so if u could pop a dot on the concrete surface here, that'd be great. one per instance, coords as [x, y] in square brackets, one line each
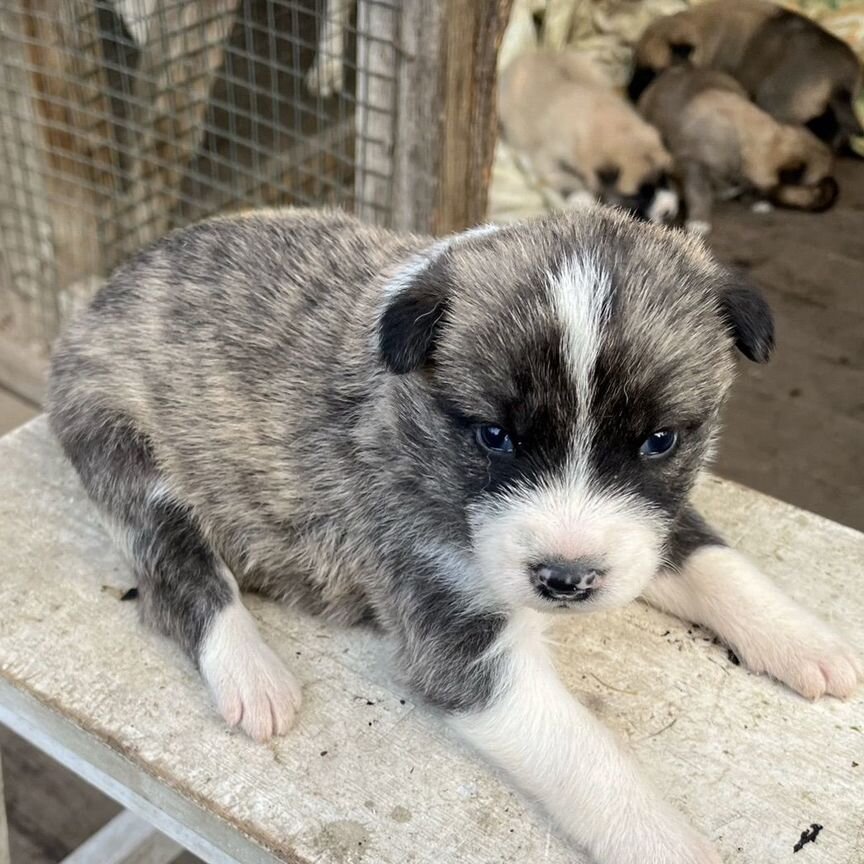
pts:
[367, 776]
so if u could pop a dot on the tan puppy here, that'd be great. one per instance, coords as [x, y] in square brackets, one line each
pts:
[579, 139]
[720, 139]
[790, 66]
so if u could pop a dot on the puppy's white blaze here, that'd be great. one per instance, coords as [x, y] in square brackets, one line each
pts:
[570, 519]
[251, 686]
[580, 297]
[561, 755]
[721, 589]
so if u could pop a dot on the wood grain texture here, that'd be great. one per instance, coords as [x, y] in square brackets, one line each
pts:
[126, 839]
[368, 776]
[446, 119]
[472, 38]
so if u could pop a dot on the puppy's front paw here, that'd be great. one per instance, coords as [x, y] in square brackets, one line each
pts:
[806, 655]
[677, 843]
[251, 686]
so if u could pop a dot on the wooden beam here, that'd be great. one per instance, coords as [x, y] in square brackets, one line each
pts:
[375, 103]
[4, 827]
[446, 119]
[126, 839]
[470, 126]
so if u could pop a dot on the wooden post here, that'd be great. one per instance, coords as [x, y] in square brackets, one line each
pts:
[126, 839]
[446, 119]
[374, 121]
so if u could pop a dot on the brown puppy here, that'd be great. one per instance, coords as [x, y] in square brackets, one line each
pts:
[578, 138]
[720, 139]
[789, 65]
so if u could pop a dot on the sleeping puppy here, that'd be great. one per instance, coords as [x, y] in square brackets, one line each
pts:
[788, 65]
[451, 438]
[720, 140]
[579, 139]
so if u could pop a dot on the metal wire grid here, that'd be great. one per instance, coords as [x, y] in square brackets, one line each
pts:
[121, 119]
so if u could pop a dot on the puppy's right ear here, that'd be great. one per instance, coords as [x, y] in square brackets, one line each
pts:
[748, 317]
[412, 319]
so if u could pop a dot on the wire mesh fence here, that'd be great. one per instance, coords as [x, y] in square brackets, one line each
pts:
[122, 119]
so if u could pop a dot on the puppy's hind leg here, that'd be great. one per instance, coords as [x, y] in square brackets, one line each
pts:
[185, 589]
[699, 196]
[710, 584]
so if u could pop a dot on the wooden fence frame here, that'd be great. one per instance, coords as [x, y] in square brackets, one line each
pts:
[428, 165]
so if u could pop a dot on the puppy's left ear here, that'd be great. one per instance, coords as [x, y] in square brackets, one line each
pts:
[748, 317]
[411, 321]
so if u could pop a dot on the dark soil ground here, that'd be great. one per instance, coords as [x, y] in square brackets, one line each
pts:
[795, 427]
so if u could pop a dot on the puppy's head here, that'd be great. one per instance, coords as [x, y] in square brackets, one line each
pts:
[553, 389]
[645, 190]
[632, 170]
[670, 41]
[804, 171]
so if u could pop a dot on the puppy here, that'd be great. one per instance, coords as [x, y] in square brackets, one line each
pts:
[579, 139]
[448, 438]
[721, 140]
[789, 65]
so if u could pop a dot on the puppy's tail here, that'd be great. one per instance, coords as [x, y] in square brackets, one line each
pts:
[815, 198]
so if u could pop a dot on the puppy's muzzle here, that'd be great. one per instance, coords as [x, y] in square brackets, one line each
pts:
[567, 580]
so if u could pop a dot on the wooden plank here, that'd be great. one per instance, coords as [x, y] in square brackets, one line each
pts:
[83, 753]
[375, 103]
[51, 811]
[473, 38]
[446, 116]
[5, 857]
[23, 369]
[748, 761]
[126, 839]
[417, 150]
[14, 412]
[184, 53]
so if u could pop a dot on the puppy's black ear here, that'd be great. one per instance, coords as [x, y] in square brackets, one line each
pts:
[639, 81]
[412, 319]
[748, 317]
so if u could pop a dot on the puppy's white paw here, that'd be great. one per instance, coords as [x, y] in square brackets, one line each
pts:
[699, 227]
[326, 77]
[805, 654]
[674, 842]
[251, 686]
[762, 207]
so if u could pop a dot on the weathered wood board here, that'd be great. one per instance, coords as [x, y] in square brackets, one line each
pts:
[367, 775]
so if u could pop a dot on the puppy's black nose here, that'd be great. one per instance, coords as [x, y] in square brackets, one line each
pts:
[568, 580]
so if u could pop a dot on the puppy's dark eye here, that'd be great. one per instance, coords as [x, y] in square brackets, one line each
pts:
[659, 443]
[494, 438]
